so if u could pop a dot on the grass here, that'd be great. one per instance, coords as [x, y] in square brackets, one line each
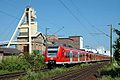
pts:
[43, 75]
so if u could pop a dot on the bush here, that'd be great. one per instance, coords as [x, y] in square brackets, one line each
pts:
[14, 63]
[36, 60]
[24, 62]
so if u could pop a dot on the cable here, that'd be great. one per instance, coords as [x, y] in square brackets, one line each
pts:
[11, 3]
[8, 30]
[69, 11]
[77, 17]
[77, 9]
[58, 30]
[9, 15]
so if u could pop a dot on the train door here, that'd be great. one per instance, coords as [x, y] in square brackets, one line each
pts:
[70, 56]
[85, 56]
[67, 56]
[75, 57]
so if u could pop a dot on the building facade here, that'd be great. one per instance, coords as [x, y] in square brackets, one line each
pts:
[73, 41]
[38, 43]
[29, 38]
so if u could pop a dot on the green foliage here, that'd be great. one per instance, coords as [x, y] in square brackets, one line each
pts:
[36, 60]
[117, 47]
[24, 62]
[14, 63]
[110, 72]
[4, 71]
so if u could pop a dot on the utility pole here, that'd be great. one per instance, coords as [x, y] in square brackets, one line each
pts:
[110, 42]
[46, 30]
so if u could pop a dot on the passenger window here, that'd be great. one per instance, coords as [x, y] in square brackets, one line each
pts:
[67, 54]
[84, 55]
[80, 55]
[75, 55]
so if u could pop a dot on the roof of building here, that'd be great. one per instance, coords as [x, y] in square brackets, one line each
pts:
[36, 35]
[9, 51]
[74, 36]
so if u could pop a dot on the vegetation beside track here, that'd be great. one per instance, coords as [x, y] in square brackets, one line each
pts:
[51, 73]
[110, 72]
[20, 63]
[13, 64]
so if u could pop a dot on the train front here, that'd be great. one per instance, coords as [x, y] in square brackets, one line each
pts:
[51, 55]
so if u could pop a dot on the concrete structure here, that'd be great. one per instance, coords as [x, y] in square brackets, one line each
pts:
[28, 37]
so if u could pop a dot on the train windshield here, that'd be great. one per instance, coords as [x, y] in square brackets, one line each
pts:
[52, 51]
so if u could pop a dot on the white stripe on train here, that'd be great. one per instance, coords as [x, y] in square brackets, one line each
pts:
[75, 62]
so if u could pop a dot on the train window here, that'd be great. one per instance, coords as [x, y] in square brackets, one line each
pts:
[80, 55]
[75, 55]
[52, 53]
[92, 56]
[84, 55]
[67, 54]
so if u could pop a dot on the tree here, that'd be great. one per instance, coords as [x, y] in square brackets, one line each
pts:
[116, 47]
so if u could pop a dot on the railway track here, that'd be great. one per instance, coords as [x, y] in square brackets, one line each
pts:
[13, 75]
[80, 74]
[16, 75]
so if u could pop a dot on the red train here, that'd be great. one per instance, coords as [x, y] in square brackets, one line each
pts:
[66, 55]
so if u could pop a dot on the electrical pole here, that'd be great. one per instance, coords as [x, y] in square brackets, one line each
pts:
[46, 30]
[111, 43]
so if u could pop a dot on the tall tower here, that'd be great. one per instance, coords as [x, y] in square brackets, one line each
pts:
[27, 27]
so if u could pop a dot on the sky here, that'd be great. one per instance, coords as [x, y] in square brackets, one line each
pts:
[87, 18]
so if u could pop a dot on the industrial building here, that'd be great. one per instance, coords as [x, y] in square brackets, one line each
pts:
[73, 41]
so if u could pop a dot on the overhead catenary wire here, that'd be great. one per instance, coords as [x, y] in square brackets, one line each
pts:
[58, 30]
[70, 11]
[9, 15]
[74, 16]
[77, 19]
[91, 25]
[11, 4]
